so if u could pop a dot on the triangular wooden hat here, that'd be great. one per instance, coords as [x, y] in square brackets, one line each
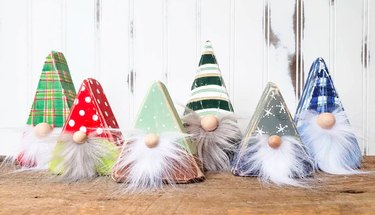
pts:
[158, 116]
[319, 94]
[272, 119]
[209, 95]
[324, 125]
[90, 116]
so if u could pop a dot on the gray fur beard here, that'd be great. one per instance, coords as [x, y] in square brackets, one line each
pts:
[215, 148]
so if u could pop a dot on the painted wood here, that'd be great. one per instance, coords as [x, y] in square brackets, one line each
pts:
[348, 63]
[15, 63]
[182, 56]
[370, 65]
[280, 38]
[248, 58]
[114, 58]
[127, 45]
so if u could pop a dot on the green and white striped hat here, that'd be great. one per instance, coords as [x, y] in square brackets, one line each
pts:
[209, 95]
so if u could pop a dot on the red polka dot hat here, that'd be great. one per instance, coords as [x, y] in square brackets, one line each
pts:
[92, 114]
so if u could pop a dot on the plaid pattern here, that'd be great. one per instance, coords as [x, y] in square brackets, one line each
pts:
[324, 96]
[55, 93]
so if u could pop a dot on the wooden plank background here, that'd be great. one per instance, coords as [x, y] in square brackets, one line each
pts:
[128, 44]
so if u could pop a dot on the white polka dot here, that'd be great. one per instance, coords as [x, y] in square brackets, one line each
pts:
[141, 120]
[71, 123]
[82, 112]
[75, 101]
[154, 117]
[98, 101]
[95, 117]
[146, 107]
[163, 126]
[105, 112]
[99, 130]
[83, 88]
[98, 91]
[161, 103]
[83, 129]
[106, 104]
[113, 121]
[88, 99]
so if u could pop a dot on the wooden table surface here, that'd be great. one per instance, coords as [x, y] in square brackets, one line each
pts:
[221, 193]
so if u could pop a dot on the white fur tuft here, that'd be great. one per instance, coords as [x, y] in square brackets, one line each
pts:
[285, 165]
[216, 147]
[142, 168]
[35, 152]
[334, 150]
[82, 161]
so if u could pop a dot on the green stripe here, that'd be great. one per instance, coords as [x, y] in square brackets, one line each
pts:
[204, 81]
[207, 59]
[211, 103]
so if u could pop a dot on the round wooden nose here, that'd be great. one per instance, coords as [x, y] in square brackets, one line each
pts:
[151, 140]
[326, 120]
[274, 141]
[209, 123]
[79, 137]
[42, 129]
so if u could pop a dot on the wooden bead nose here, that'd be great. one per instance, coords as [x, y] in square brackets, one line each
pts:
[42, 129]
[151, 140]
[209, 123]
[274, 141]
[326, 120]
[79, 137]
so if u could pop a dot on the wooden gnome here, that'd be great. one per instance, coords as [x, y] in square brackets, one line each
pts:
[88, 144]
[272, 148]
[324, 126]
[159, 151]
[209, 116]
[53, 98]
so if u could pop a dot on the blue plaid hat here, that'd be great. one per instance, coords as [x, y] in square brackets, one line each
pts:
[319, 93]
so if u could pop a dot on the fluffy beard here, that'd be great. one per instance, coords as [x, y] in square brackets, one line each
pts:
[77, 162]
[216, 147]
[141, 168]
[334, 150]
[34, 153]
[285, 165]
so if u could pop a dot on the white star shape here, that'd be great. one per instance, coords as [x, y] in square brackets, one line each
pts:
[281, 128]
[268, 112]
[273, 95]
[282, 107]
[259, 131]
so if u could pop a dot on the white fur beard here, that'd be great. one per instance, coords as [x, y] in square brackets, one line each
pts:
[81, 161]
[143, 168]
[334, 150]
[216, 147]
[285, 165]
[36, 152]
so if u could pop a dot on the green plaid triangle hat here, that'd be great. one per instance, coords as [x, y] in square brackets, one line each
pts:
[55, 93]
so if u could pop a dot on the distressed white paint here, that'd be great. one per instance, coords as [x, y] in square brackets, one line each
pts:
[128, 44]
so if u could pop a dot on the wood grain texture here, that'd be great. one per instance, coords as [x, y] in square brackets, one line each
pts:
[221, 193]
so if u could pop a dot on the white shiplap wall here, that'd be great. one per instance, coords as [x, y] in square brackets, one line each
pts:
[127, 44]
